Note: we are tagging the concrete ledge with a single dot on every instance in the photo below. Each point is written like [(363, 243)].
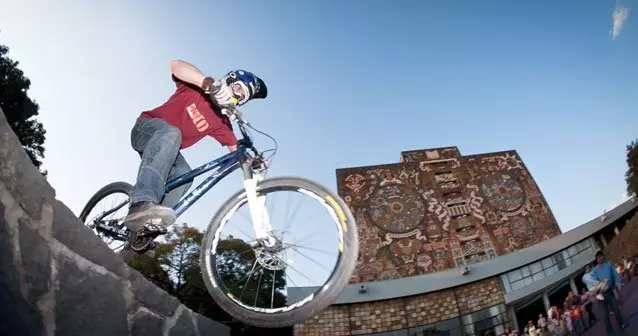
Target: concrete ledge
[(58, 278)]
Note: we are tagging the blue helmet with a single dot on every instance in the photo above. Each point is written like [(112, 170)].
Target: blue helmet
[(245, 86)]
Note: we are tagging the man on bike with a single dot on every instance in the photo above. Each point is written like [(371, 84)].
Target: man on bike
[(192, 112)]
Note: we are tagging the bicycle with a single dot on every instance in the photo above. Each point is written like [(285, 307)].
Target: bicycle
[(266, 244)]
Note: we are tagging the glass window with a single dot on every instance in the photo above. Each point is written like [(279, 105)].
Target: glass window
[(450, 327), (551, 270), (506, 283), (573, 250), (535, 267), (528, 281), (525, 271), (486, 322), (515, 275), (517, 285), (539, 276), (401, 332), (547, 262), (585, 243)]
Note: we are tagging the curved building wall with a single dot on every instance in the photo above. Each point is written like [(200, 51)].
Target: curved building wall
[(451, 302), (437, 210)]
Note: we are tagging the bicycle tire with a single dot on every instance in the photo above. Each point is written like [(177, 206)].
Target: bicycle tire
[(323, 298), (105, 191), (126, 253)]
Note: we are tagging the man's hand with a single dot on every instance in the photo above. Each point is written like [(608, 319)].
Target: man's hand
[(220, 93)]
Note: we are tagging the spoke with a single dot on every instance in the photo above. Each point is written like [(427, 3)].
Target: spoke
[(249, 222), (287, 207), (272, 296), (310, 259), (249, 276), (257, 292), (294, 269), (289, 277), (294, 214), (313, 234), (308, 248)]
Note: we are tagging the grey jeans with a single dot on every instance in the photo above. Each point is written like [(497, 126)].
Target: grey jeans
[(158, 144)]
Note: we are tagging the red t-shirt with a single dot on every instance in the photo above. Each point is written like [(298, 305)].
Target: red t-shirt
[(190, 110)]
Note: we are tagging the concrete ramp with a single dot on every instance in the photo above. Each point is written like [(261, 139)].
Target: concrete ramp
[(58, 278)]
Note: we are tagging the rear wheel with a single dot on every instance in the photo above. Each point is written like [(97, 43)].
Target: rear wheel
[(105, 212), (237, 269)]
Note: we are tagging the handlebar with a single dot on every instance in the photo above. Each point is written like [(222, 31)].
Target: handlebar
[(235, 115)]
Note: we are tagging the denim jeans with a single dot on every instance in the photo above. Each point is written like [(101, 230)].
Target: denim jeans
[(610, 304), (158, 144), (580, 325)]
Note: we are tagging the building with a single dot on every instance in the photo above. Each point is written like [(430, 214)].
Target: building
[(455, 245)]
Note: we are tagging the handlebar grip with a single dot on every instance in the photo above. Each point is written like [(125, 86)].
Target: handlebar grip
[(215, 87)]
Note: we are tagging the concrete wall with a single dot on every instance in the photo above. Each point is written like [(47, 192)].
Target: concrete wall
[(58, 278)]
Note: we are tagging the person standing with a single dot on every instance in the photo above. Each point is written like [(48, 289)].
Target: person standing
[(605, 271), (587, 304)]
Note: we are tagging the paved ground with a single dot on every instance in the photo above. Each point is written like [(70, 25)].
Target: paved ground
[(629, 312)]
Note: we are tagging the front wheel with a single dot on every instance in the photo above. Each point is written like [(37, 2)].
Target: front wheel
[(248, 279)]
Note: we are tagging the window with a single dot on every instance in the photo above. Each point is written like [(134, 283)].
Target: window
[(487, 321), (547, 262), (450, 327), (551, 270), (539, 276), (573, 250), (535, 267), (506, 283), (515, 275)]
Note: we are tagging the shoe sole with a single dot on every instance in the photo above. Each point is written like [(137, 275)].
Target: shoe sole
[(135, 222)]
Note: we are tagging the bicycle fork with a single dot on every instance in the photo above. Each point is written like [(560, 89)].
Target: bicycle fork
[(258, 211)]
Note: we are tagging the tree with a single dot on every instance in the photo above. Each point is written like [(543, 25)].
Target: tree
[(631, 176), (152, 271), (243, 276), (19, 109), (175, 268)]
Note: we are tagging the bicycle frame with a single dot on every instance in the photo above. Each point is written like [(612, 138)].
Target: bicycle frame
[(223, 165)]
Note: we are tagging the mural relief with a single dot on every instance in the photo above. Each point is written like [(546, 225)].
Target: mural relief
[(437, 210)]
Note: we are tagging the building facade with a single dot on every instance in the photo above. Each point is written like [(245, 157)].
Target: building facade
[(437, 209), (454, 245)]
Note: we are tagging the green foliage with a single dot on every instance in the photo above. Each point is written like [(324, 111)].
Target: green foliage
[(245, 279), (175, 268), (631, 176), (19, 109)]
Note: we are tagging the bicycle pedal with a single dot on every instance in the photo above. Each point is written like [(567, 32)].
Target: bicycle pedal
[(140, 241)]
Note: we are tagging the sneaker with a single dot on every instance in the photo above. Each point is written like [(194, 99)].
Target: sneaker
[(146, 213)]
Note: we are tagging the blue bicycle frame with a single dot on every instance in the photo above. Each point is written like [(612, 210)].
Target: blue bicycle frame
[(223, 165)]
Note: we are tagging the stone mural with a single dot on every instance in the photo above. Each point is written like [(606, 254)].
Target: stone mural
[(437, 209)]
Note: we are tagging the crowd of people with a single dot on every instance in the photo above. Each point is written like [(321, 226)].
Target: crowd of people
[(577, 313)]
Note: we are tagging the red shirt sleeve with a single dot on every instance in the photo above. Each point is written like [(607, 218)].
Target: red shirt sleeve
[(223, 133)]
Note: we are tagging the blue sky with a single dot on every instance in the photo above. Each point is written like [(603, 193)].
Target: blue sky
[(350, 83)]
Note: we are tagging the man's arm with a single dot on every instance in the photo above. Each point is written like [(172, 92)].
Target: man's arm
[(615, 276), (189, 73)]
